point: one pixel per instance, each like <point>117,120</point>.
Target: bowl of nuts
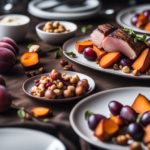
<point>59,86</point>
<point>56,32</point>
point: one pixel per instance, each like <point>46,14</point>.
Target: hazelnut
<point>55,74</point>
<point>83,83</point>
<point>48,24</point>
<point>135,146</point>
<point>126,69</point>
<point>56,24</point>
<point>136,72</point>
<point>41,70</point>
<point>68,68</point>
<point>33,73</point>
<point>28,116</point>
<point>115,67</point>
<point>34,48</point>
<point>120,67</point>
<point>128,137</point>
<point>122,140</point>
<point>61,27</point>
<point>63,62</point>
<point>68,93</point>
<point>80,90</point>
<point>50,94</point>
<point>56,31</point>
<point>28,74</point>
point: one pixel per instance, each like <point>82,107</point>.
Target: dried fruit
<point>68,68</point>
<point>63,62</point>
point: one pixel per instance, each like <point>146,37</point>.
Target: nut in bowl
<point>56,32</point>
<point>59,86</point>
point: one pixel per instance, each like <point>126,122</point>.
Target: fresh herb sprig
<point>21,113</point>
<point>87,114</point>
<point>136,38</point>
<point>132,11</point>
<point>84,29</point>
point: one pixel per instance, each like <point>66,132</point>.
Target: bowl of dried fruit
<point>59,86</point>
<point>56,32</point>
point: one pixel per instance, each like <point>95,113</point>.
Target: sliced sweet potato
<point>146,137</point>
<point>147,27</point>
<point>141,104</point>
<point>106,129</point>
<point>80,46</point>
<point>119,120</point>
<point>100,52</point>
<point>142,63</point>
<point>110,59</point>
<point>142,21</point>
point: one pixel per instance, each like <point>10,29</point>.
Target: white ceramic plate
<point>29,83</point>
<point>35,11</point>
<point>28,139</point>
<point>69,46</point>
<point>123,18</point>
<point>98,103</point>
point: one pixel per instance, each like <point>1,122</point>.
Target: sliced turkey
<point>100,33</point>
<point>120,41</point>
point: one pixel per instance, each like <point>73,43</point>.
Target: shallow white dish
<point>123,18</point>
<point>69,46</point>
<point>35,11</point>
<point>56,38</point>
<point>29,83</point>
<point>28,139</point>
<point>98,103</point>
<point>15,32</point>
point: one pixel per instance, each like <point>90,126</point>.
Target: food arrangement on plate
<point>125,125</point>
<point>118,49</point>
<point>142,20</point>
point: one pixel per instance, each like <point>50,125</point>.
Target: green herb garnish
<point>36,39</point>
<point>29,45</point>
<point>132,11</point>
<point>46,120</point>
<point>139,118</point>
<point>84,29</point>
<point>87,114</point>
<point>136,38</point>
<point>21,113</point>
<point>56,55</point>
<point>89,27</point>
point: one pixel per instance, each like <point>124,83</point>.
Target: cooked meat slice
<point>100,33</point>
<point>120,41</point>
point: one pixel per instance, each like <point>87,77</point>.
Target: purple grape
<point>115,107</point>
<point>145,120</point>
<point>49,85</point>
<point>89,53</point>
<point>94,119</point>
<point>148,41</point>
<point>146,13</point>
<point>126,62</point>
<point>136,131</point>
<point>66,83</point>
<point>134,19</point>
<point>37,84</point>
<point>128,113</point>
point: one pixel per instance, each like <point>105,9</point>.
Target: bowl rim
<point>8,25</point>
<point>43,32</point>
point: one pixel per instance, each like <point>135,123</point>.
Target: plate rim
<point>34,130</point>
<point>120,13</point>
<point>92,67</point>
<point>77,131</point>
<point>58,100</point>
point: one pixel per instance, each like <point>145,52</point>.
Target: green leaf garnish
<point>46,120</point>
<point>36,39</point>
<point>69,53</point>
<point>139,117</point>
<point>89,27</point>
<point>29,45</point>
<point>136,38</point>
<point>56,55</point>
<point>87,114</point>
<point>21,113</point>
<point>83,29</point>
<point>132,11</point>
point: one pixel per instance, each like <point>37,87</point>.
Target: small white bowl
<point>16,32</point>
<point>56,38</point>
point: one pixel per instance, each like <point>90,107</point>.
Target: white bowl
<point>15,32</point>
<point>56,38</point>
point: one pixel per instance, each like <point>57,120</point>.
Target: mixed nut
<point>58,85</point>
<point>54,27</point>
